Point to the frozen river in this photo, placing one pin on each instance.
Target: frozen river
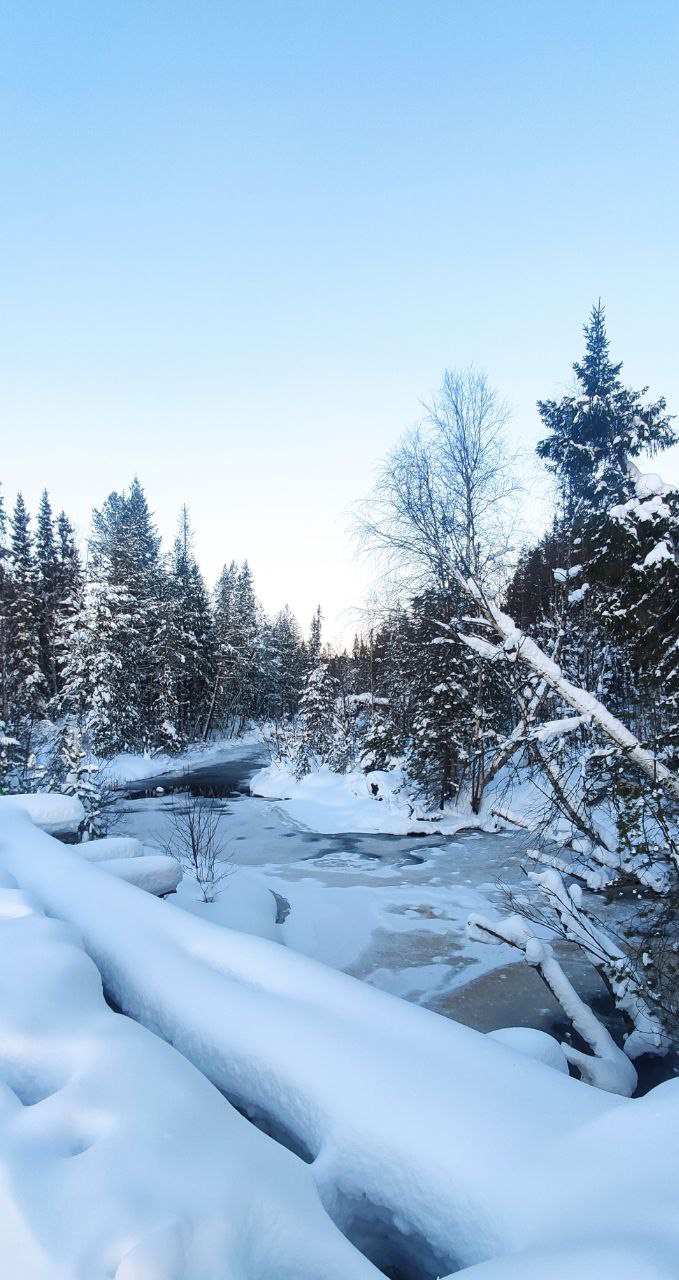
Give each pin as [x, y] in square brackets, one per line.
[390, 910]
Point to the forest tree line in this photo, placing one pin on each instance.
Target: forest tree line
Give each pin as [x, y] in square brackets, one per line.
[130, 650]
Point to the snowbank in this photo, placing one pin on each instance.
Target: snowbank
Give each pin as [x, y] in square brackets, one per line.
[426, 1137]
[128, 767]
[243, 903]
[337, 804]
[118, 1158]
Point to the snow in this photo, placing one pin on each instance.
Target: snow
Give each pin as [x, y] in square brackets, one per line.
[649, 509]
[575, 597]
[129, 767]
[649, 484]
[111, 847]
[535, 1044]
[482, 647]
[556, 728]
[336, 803]
[426, 1137]
[562, 575]
[117, 1157]
[155, 873]
[659, 553]
[52, 812]
[244, 903]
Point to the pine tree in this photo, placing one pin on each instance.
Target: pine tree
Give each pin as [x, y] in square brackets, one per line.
[48, 593]
[193, 629]
[75, 775]
[101, 675]
[69, 598]
[288, 665]
[594, 433]
[111, 672]
[224, 615]
[315, 637]
[317, 714]
[68, 569]
[27, 688]
[4, 615]
[442, 742]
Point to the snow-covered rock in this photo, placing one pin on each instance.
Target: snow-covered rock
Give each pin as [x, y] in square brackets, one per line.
[111, 847]
[534, 1044]
[157, 873]
[52, 812]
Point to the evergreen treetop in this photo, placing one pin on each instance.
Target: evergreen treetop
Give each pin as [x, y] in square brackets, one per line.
[594, 432]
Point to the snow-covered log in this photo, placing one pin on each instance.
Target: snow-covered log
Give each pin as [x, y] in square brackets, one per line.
[607, 1067]
[616, 968]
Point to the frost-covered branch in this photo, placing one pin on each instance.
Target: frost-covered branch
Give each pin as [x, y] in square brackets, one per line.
[610, 961]
[517, 646]
[607, 1067]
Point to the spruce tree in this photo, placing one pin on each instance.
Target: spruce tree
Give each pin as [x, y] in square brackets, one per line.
[315, 637]
[193, 627]
[318, 720]
[289, 665]
[48, 592]
[4, 615]
[596, 431]
[26, 681]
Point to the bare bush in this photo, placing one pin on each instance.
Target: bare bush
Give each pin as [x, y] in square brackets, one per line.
[195, 840]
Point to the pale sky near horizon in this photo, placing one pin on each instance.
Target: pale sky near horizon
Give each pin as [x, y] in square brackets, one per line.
[240, 243]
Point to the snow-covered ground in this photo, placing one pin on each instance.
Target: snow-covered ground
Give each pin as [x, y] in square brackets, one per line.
[117, 1157]
[129, 767]
[432, 1147]
[377, 802]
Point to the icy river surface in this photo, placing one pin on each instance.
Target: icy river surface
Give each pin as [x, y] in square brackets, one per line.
[390, 910]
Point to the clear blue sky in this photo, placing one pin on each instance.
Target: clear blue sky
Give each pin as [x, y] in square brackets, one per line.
[241, 241]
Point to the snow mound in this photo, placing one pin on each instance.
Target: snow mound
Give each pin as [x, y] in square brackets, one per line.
[117, 1157]
[111, 847]
[243, 903]
[156, 873]
[647, 484]
[49, 810]
[534, 1044]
